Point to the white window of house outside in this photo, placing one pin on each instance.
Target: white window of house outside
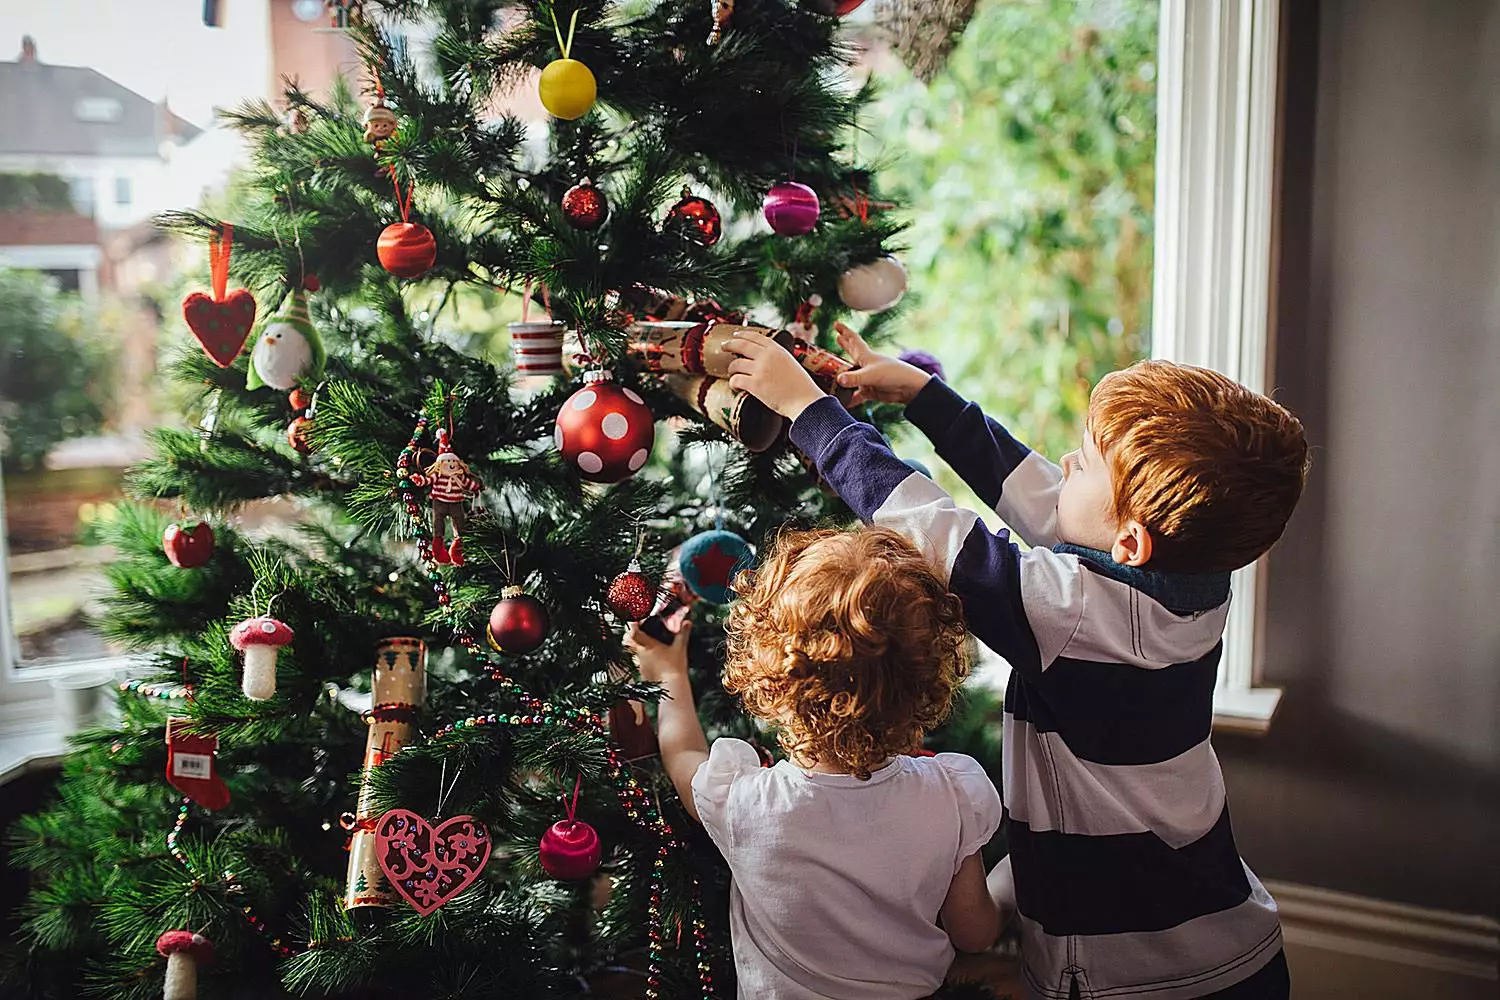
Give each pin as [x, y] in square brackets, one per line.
[1216, 139]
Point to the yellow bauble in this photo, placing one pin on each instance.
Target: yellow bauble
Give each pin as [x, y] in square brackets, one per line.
[567, 88]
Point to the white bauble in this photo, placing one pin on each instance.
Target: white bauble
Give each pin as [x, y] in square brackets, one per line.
[874, 286]
[281, 356]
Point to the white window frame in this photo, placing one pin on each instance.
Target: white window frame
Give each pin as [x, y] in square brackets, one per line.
[1212, 293]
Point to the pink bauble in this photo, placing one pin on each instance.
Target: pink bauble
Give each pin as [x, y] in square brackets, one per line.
[570, 850]
[792, 209]
[605, 430]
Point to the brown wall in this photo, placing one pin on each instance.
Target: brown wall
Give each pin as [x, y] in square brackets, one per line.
[1382, 776]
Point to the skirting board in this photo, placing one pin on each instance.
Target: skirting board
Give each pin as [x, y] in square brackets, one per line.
[1340, 945]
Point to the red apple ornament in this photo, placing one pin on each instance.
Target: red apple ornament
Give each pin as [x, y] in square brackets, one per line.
[570, 850]
[188, 544]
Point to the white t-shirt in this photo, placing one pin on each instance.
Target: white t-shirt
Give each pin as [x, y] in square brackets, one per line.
[838, 882]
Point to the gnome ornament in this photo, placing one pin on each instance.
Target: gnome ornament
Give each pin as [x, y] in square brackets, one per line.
[451, 485]
[289, 349]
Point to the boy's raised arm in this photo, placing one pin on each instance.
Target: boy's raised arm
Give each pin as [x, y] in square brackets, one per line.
[1018, 483]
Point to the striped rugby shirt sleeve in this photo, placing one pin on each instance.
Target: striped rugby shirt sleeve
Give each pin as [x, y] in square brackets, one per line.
[1024, 606]
[1019, 484]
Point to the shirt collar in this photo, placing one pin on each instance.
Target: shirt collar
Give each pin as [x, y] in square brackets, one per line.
[1179, 593]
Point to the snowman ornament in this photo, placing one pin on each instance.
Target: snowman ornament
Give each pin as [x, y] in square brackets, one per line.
[289, 349]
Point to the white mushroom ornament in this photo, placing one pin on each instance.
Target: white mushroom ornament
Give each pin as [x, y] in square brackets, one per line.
[184, 951]
[259, 639]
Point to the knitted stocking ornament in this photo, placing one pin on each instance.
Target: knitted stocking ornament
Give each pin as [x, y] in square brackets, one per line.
[190, 765]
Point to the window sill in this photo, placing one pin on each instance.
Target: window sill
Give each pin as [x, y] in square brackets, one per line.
[1246, 711]
[29, 745]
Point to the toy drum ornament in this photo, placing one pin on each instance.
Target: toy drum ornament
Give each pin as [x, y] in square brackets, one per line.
[744, 417]
[681, 347]
[536, 347]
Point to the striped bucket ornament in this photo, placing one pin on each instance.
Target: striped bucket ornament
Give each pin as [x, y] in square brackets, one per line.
[536, 346]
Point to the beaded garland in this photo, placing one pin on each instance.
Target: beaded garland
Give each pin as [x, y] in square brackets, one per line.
[535, 712]
[246, 910]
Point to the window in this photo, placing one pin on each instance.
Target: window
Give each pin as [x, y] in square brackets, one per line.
[1215, 159]
[81, 192]
[122, 192]
[100, 110]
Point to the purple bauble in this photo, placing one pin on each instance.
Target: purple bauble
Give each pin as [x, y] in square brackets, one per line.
[792, 209]
[921, 359]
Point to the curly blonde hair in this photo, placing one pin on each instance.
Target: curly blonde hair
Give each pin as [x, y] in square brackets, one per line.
[850, 642]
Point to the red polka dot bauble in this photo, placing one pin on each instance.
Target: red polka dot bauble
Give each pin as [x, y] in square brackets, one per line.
[584, 206]
[792, 209]
[518, 624]
[605, 430]
[406, 249]
[570, 850]
[631, 594]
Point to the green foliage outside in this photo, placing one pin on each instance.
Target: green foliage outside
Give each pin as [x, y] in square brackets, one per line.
[45, 192]
[1026, 171]
[53, 369]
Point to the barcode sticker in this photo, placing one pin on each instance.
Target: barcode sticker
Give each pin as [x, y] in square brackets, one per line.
[191, 765]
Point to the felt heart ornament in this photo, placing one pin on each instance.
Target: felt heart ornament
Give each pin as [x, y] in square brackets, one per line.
[222, 324]
[222, 327]
[429, 866]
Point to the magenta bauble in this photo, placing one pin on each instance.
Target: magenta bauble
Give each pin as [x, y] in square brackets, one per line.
[570, 850]
[791, 208]
[604, 430]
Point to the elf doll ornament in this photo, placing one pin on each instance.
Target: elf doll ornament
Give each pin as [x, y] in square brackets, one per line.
[450, 487]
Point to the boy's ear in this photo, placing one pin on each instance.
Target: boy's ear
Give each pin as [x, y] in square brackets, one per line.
[1132, 544]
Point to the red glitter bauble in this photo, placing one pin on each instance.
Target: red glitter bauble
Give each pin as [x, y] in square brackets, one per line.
[696, 219]
[519, 622]
[406, 249]
[296, 435]
[631, 594]
[584, 206]
[605, 430]
[570, 850]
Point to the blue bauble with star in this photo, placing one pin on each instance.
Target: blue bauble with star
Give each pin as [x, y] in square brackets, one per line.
[709, 562]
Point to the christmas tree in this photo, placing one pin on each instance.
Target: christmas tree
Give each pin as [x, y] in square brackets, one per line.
[405, 753]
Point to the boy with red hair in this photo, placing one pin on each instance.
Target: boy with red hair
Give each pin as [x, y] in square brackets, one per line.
[1122, 867]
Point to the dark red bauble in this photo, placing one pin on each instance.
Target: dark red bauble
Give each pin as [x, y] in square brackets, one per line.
[696, 219]
[605, 430]
[518, 624]
[299, 399]
[406, 249]
[296, 435]
[631, 594]
[570, 850]
[584, 206]
[188, 545]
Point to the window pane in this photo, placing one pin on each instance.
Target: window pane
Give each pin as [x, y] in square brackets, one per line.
[122, 191]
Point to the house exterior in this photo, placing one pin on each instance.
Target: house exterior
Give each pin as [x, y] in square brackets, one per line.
[110, 144]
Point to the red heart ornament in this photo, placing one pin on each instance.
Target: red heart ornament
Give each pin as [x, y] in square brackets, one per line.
[222, 326]
[430, 866]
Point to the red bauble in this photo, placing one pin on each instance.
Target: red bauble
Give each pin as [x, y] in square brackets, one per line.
[570, 850]
[696, 219]
[604, 430]
[584, 206]
[406, 249]
[519, 622]
[299, 399]
[296, 435]
[188, 545]
[791, 208]
[631, 594]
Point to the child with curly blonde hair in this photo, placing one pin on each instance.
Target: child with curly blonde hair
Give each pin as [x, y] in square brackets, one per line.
[856, 867]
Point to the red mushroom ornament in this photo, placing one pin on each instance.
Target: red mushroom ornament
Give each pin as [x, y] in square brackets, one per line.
[184, 951]
[259, 639]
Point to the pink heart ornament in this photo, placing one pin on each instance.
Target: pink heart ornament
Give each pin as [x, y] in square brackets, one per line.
[428, 866]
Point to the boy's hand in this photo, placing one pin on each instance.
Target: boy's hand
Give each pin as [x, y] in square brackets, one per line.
[658, 661]
[767, 371]
[878, 377]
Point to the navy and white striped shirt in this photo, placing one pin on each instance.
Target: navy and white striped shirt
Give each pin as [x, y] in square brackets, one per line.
[1128, 881]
